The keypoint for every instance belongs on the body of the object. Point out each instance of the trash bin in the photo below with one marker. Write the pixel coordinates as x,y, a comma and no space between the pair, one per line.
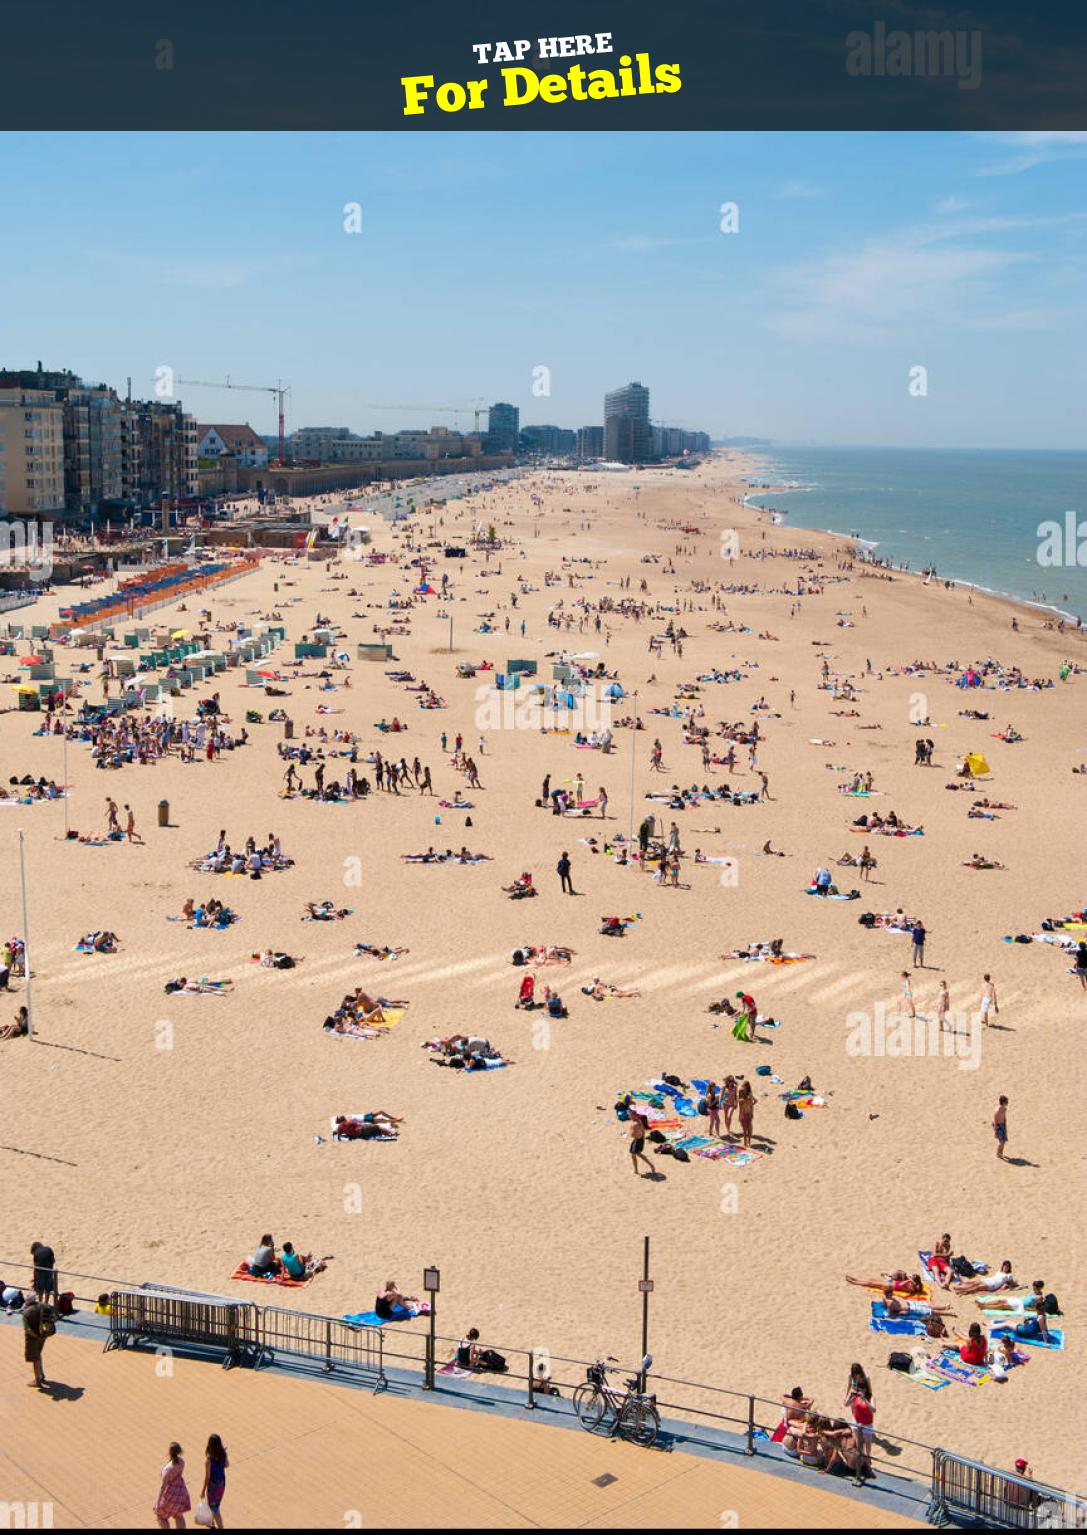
164,812
288,730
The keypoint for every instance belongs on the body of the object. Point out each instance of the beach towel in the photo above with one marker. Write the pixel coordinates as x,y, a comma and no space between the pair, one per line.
694,1142
371,1318
1056,1337
948,1363
924,1377
242,1272
686,1108
899,1325
736,1156
835,895
452,1368
917,1309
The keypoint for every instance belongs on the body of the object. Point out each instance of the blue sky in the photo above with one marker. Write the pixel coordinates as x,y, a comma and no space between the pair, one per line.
596,255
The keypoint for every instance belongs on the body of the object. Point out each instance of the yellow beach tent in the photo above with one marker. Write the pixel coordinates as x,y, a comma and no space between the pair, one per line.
977,764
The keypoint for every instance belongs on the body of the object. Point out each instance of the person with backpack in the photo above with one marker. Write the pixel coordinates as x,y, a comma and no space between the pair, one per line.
562,869
39,1324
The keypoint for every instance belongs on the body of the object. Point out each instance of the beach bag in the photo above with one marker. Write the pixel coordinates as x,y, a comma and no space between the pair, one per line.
48,1324
491,1359
963,1267
792,1112
899,1361
672,1080
703,1107
867,919
66,1303
656,1135
1051,1306
680,1155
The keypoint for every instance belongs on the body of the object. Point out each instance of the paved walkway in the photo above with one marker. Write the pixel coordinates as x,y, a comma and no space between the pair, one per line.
305,1453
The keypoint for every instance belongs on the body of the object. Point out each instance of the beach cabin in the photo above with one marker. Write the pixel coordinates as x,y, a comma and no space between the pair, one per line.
526,668
308,649
366,652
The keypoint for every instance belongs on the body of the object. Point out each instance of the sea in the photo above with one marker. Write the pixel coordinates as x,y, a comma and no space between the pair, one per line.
973,514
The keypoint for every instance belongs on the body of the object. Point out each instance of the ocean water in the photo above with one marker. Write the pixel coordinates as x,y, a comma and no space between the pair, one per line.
972,513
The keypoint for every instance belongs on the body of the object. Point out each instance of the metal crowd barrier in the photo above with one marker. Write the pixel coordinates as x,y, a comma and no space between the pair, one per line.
968,1491
332,1344
232,1327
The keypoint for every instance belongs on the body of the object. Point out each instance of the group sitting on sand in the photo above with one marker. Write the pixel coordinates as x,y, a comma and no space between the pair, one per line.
98,943
358,1008
266,1263
211,914
466,1052
253,861
430,856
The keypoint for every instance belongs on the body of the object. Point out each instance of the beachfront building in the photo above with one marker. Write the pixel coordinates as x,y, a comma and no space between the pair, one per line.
384,447
627,433
217,441
590,442
31,453
549,441
158,452
91,428
503,428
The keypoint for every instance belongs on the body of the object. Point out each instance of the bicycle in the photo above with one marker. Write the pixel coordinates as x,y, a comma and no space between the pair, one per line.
634,1413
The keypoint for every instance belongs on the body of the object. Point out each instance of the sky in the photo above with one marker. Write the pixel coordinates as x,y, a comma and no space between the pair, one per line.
599,257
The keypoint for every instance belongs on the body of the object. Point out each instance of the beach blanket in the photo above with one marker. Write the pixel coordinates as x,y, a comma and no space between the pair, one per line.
948,1364
924,1377
371,1318
452,1368
736,1156
1056,1337
694,1142
835,895
242,1272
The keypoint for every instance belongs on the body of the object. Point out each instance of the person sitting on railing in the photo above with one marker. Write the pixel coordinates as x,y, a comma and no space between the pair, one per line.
264,1264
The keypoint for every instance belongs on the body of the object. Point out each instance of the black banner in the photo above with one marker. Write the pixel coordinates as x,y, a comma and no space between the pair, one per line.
713,64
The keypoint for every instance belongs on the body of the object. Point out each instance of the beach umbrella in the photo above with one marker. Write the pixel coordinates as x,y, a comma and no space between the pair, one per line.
23,687
181,634
32,661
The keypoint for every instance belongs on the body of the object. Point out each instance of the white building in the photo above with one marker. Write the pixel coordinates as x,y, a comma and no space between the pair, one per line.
248,449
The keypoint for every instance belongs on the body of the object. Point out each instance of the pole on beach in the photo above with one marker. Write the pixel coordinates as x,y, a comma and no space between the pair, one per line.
645,1285
633,749
432,1283
451,633
26,940
65,785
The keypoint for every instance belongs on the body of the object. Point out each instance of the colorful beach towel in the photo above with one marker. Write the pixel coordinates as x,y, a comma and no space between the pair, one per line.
242,1272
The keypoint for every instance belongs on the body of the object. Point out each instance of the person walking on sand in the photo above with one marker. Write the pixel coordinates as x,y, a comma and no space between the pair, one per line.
638,1127
216,1461
907,995
988,1000
112,823
562,869
173,1501
918,935
602,801
943,1005
1000,1126
130,825
765,791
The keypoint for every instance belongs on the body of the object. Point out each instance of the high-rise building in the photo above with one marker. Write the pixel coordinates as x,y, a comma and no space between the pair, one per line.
503,428
31,453
590,442
627,434
158,451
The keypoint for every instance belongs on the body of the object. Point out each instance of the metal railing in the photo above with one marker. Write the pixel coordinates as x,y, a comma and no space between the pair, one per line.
953,1487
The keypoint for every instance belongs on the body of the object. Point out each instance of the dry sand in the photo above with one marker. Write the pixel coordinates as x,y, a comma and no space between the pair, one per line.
519,1185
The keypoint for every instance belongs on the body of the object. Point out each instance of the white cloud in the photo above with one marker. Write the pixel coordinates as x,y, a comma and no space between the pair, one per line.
799,189
952,204
1040,146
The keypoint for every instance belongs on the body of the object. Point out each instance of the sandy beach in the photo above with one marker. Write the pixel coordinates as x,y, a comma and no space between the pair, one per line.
167,1164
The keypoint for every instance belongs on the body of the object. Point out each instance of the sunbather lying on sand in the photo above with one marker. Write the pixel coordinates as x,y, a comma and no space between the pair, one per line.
182,983
601,989
324,911
543,954
522,886
100,943
984,1284
379,951
275,959
901,1282
365,1127
978,862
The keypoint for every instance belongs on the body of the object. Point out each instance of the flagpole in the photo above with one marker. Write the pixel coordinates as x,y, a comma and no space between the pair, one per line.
26,939
65,784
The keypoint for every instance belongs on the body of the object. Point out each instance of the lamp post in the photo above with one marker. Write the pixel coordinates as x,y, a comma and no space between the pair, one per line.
432,1283
26,941
645,1285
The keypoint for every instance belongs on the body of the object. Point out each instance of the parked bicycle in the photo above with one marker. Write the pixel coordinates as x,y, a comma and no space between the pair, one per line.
630,1413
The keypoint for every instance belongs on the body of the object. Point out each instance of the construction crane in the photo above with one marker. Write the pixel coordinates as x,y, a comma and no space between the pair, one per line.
477,407
278,389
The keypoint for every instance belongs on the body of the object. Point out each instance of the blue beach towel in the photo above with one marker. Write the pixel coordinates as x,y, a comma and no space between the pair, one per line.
900,1325
1056,1337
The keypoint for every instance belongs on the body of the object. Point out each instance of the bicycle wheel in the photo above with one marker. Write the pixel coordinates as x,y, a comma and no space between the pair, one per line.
641,1423
589,1405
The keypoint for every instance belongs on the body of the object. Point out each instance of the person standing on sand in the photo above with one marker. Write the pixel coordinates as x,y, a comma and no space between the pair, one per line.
130,825
562,869
638,1127
918,934
988,1000
173,1501
112,823
907,995
1000,1126
745,1104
